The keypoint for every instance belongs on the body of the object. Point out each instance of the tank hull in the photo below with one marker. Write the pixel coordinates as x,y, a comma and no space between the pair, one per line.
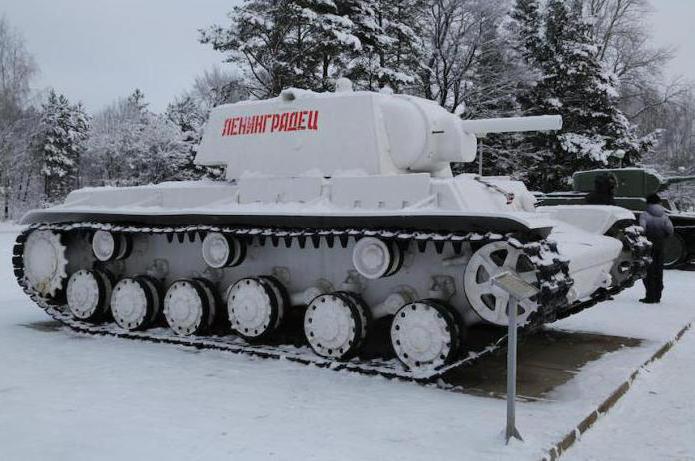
455,205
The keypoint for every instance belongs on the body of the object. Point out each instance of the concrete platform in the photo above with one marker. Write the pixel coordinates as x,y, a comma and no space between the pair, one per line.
546,360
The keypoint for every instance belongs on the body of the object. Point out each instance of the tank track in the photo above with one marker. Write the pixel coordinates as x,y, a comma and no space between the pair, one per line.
554,284
640,247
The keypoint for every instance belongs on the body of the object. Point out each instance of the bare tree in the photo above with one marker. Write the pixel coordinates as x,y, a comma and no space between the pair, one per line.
677,121
625,45
456,32
216,86
17,68
652,102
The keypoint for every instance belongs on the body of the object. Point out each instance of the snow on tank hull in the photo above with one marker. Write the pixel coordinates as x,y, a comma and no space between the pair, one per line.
364,241
292,217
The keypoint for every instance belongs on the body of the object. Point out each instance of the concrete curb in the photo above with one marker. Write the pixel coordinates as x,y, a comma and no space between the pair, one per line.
569,439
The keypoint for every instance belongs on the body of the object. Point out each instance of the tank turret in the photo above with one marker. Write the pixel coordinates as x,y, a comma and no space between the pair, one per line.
630,182
360,132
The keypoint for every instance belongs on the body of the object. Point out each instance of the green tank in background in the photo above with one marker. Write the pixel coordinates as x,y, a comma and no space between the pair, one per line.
632,186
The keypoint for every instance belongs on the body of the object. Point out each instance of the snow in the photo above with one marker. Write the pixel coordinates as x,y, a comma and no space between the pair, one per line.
10,227
654,420
66,396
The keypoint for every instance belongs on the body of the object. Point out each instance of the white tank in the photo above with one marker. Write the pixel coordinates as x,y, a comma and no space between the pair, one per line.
339,208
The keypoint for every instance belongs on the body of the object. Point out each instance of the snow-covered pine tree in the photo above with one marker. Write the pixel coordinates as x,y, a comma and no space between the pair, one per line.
130,145
402,22
187,116
151,144
527,24
361,65
299,43
137,101
335,37
476,71
58,144
496,78
190,111
392,50
190,117
574,84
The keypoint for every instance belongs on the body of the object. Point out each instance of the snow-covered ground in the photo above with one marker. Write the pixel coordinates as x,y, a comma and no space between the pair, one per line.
656,418
65,396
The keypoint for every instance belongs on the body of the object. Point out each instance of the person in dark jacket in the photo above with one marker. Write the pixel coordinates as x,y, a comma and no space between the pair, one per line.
658,228
604,190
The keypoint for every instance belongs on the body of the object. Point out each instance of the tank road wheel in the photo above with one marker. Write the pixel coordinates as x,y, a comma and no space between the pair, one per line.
425,335
213,300
135,303
88,295
221,251
281,296
674,251
45,263
488,301
254,308
335,325
374,258
364,313
107,246
187,307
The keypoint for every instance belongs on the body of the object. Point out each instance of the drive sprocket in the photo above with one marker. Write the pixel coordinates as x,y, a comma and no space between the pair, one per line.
45,263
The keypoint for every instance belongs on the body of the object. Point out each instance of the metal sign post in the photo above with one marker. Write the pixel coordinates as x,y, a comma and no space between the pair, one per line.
511,430
518,289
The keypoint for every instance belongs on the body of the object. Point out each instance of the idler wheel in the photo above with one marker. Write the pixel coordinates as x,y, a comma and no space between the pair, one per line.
135,303
220,250
374,258
187,307
255,308
489,301
88,295
45,263
336,324
425,335
108,247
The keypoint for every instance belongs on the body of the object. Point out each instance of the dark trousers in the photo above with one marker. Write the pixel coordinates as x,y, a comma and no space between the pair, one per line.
654,281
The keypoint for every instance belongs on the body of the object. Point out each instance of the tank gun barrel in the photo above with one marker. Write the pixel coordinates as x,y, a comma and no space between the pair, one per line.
678,179
483,127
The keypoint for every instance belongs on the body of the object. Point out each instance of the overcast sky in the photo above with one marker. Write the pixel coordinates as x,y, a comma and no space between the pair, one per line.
98,50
